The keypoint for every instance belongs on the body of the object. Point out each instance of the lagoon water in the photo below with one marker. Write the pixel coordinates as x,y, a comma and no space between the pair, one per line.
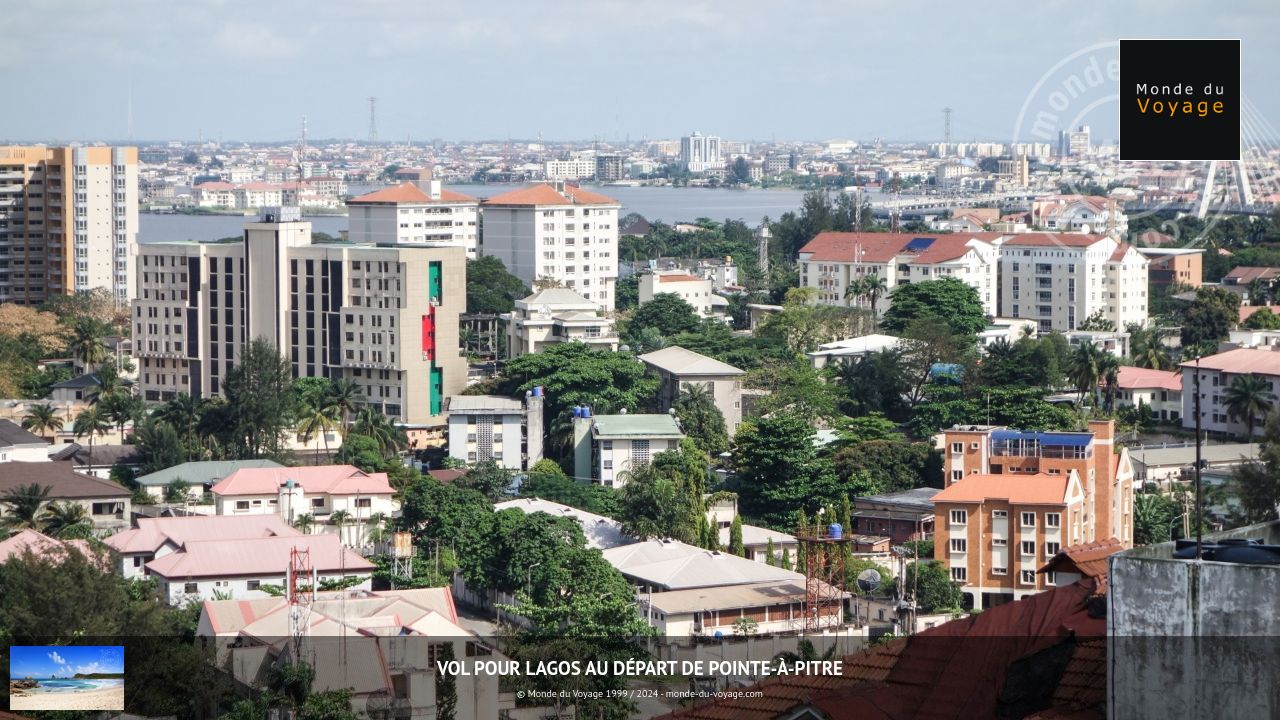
69,685
669,204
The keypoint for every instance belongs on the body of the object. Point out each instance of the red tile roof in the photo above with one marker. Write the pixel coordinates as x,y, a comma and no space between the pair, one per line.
678,278
1241,361
1087,559
1244,274
1037,489
1121,250
323,479
544,194
1136,378
882,247
409,193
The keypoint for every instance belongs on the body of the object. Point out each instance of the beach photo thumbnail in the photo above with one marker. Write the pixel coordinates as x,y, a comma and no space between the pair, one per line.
66,677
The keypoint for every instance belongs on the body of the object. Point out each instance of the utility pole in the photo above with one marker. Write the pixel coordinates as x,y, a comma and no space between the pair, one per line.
946,126
373,119
1199,499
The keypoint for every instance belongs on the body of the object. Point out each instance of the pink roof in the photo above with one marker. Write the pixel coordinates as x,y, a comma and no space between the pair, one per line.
39,544
883,247
1037,489
152,533
257,556
318,479
1136,378
216,185
1242,361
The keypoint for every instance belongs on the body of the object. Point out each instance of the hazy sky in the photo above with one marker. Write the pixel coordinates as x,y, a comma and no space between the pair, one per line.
569,69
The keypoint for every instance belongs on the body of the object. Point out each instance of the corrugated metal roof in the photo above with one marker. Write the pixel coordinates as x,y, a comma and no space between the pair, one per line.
639,425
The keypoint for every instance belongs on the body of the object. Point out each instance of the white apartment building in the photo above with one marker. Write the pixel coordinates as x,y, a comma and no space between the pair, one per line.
699,153
578,168
1079,214
501,429
607,447
696,291
1059,280
68,221
556,315
1160,391
680,368
383,317
1216,374
556,232
832,261
406,215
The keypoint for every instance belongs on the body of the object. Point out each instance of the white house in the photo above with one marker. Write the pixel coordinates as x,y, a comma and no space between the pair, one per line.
318,490
237,569
1216,373
199,475
156,537
697,291
107,503
1159,390
21,446
556,315
850,350
601,532
408,215
606,447
488,427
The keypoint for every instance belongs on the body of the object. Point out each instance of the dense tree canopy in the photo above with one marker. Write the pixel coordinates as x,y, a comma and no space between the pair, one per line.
950,299
491,289
667,314
780,470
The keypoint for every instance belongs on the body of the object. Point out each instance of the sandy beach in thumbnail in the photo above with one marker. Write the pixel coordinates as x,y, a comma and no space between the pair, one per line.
110,698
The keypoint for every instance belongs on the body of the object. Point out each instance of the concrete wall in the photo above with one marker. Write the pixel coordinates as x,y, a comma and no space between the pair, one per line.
1193,639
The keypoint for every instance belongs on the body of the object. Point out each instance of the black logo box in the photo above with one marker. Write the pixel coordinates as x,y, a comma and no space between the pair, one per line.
1187,69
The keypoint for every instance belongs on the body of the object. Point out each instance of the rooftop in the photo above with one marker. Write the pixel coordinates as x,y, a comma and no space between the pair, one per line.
674,565
152,533
103,455
64,483
545,194
1240,361
483,403
263,556
1053,240
1136,378
882,247
1212,454
601,532
40,545
660,425
202,472
12,435
730,597
680,361
563,298
316,479
1020,489
916,498
408,193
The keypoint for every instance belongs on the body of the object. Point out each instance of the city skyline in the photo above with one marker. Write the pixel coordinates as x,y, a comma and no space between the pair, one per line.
607,70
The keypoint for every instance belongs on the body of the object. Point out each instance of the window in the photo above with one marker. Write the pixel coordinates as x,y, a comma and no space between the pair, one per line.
959,574
999,571
1028,519
959,545
959,517
1053,520
191,588
1051,549
1028,577
999,542
1028,547
608,464
957,475
242,505
999,514
957,447
253,584
606,444
364,502
317,502
137,561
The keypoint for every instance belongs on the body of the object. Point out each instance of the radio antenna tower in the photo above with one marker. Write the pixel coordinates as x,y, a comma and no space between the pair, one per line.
946,126
373,119
301,597
895,216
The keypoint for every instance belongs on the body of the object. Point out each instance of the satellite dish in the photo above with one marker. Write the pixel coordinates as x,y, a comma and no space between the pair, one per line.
869,579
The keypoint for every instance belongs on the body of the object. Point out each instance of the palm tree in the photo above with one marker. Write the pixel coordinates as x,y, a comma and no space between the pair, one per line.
1148,348
317,420
87,346
1111,376
24,504
370,421
855,289
1087,368
182,411
345,397
340,519
304,523
376,524
66,520
42,419
121,408
873,286
108,383
1248,396
91,421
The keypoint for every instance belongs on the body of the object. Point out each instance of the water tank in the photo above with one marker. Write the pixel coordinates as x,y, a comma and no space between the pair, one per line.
586,411
537,391
835,531
577,411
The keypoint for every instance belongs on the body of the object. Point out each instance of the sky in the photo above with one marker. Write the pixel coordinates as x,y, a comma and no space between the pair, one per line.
42,661
574,69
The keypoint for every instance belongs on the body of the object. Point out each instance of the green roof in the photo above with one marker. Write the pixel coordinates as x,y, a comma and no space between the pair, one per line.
619,426
200,473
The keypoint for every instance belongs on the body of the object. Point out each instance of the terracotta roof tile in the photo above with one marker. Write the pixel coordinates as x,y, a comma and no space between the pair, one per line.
1135,378
409,193
328,479
1037,489
1241,361
544,194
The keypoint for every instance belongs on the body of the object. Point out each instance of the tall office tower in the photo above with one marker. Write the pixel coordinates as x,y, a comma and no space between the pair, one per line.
700,152
385,318
556,232
68,221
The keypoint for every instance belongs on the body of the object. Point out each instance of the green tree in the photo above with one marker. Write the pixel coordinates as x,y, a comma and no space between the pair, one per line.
259,395
328,705
1257,484
547,481
1153,517
1262,319
344,397
446,685
1148,347
183,412
87,345
304,523
1248,397
44,420
626,293
875,383
700,419
934,591
159,445
487,477
432,510
795,386
91,422
664,498
373,423
176,491
66,520
1209,319
491,289
667,313
361,451
735,537
318,417
927,342
779,470
1098,322
949,299
889,465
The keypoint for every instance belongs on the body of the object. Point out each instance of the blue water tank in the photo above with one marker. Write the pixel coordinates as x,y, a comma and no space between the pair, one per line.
586,411
577,411
835,531
537,391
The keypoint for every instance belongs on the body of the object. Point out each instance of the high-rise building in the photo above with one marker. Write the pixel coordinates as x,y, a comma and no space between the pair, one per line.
700,152
385,318
68,221
1075,143
556,232
413,215
608,168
